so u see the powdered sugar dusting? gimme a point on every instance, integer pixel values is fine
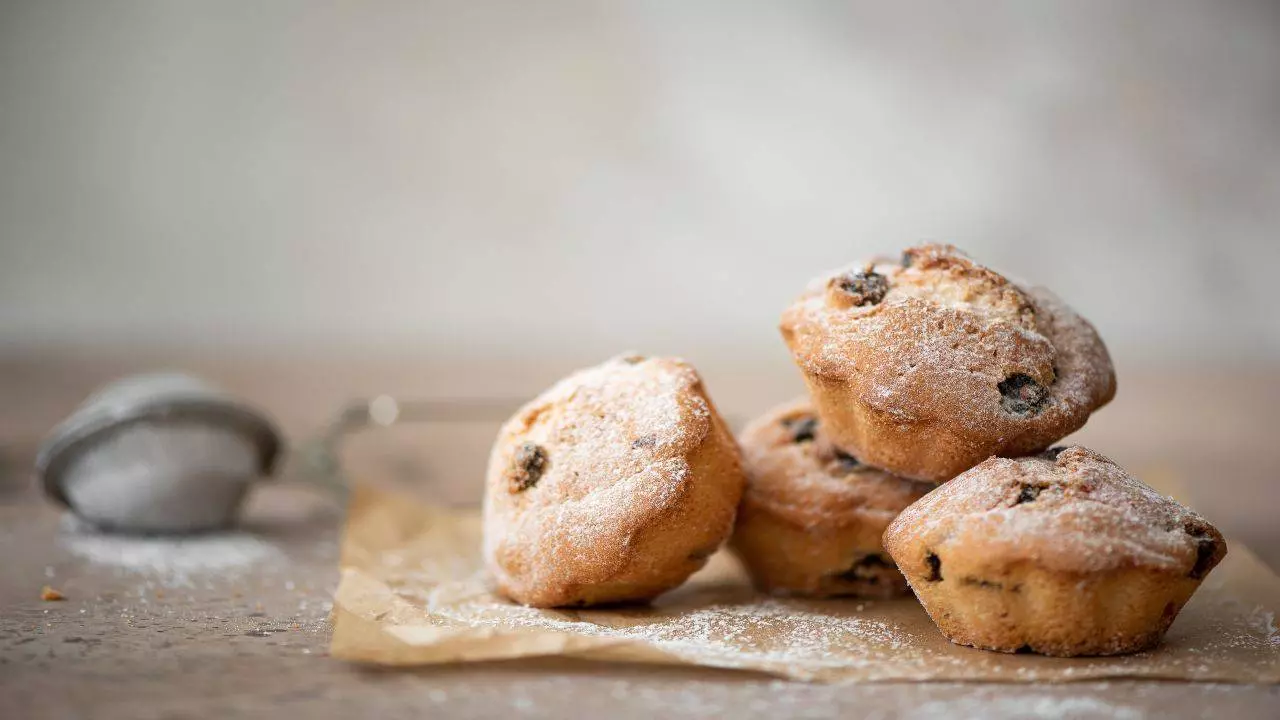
(174, 561)
(1089, 515)
(617, 440)
(807, 482)
(932, 354)
(1046, 707)
(737, 635)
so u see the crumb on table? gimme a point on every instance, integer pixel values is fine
(48, 594)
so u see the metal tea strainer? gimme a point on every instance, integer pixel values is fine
(171, 453)
(158, 453)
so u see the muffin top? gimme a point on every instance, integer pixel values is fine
(1068, 510)
(938, 338)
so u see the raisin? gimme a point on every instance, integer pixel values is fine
(527, 466)
(935, 567)
(1206, 553)
(866, 287)
(984, 584)
(803, 429)
(647, 441)
(1022, 395)
(864, 569)
(846, 462)
(1028, 494)
(1053, 452)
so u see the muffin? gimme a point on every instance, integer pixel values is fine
(928, 366)
(811, 517)
(1062, 554)
(612, 486)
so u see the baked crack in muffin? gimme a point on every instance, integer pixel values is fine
(811, 517)
(614, 485)
(1062, 554)
(928, 366)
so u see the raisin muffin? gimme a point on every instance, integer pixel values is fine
(811, 517)
(928, 366)
(613, 486)
(1061, 554)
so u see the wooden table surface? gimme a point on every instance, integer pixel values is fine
(252, 641)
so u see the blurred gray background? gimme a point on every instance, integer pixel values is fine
(573, 179)
(309, 202)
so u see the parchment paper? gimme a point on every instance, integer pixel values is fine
(414, 592)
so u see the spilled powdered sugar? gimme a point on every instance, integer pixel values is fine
(173, 561)
(769, 631)
(641, 695)
(1043, 706)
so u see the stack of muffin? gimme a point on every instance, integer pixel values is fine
(919, 461)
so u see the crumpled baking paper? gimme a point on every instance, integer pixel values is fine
(414, 592)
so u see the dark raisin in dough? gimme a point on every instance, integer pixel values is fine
(846, 461)
(802, 429)
(1028, 494)
(865, 568)
(1022, 395)
(866, 287)
(1053, 452)
(935, 567)
(1206, 549)
(980, 583)
(527, 466)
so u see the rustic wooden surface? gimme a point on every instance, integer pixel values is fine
(253, 643)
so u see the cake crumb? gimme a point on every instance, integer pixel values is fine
(48, 594)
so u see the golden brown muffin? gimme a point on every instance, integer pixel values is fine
(613, 486)
(1061, 554)
(811, 518)
(929, 366)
